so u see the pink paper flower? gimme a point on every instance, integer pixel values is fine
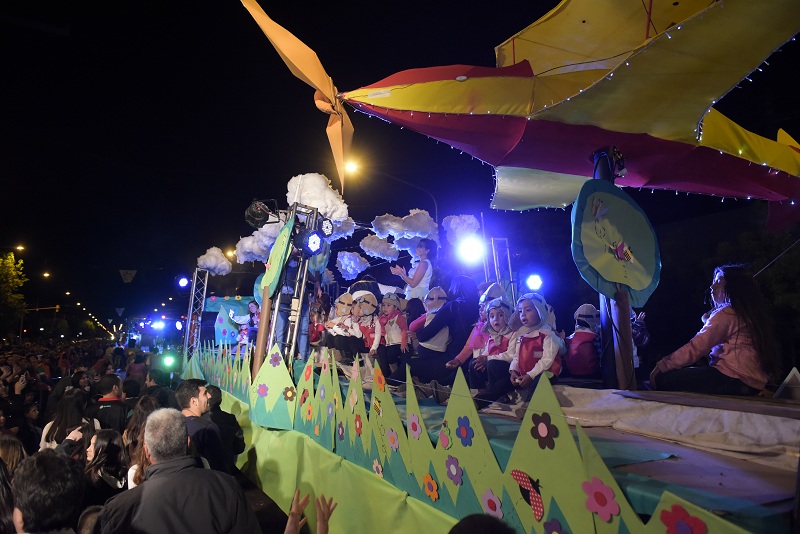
(391, 437)
(600, 499)
(414, 426)
(491, 504)
(444, 438)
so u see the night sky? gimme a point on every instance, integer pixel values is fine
(135, 134)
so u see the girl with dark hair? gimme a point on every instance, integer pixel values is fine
(70, 413)
(106, 467)
(249, 321)
(133, 438)
(418, 278)
(736, 337)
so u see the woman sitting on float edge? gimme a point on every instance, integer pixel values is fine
(736, 337)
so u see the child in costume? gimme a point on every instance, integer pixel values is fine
(497, 334)
(315, 328)
(533, 349)
(478, 338)
(431, 351)
(338, 325)
(369, 328)
(394, 340)
(241, 340)
(582, 358)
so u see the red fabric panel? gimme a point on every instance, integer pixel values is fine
(451, 72)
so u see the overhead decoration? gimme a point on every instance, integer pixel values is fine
(350, 264)
(459, 227)
(304, 64)
(590, 74)
(613, 243)
(214, 261)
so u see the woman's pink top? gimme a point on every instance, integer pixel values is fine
(728, 343)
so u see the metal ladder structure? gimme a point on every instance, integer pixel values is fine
(191, 340)
(292, 283)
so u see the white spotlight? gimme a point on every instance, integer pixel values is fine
(471, 250)
(534, 282)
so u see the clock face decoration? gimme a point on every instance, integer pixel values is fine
(613, 242)
(277, 259)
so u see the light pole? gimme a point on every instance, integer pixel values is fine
(415, 186)
(353, 167)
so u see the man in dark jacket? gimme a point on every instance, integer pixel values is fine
(229, 429)
(157, 384)
(192, 397)
(217, 502)
(110, 409)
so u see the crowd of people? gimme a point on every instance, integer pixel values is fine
(78, 443)
(114, 455)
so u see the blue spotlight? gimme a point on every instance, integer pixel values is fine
(534, 282)
(308, 241)
(471, 250)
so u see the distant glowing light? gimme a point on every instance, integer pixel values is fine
(158, 325)
(178, 325)
(471, 250)
(169, 361)
(183, 282)
(534, 282)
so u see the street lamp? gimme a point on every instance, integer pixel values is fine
(351, 166)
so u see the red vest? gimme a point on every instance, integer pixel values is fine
(530, 351)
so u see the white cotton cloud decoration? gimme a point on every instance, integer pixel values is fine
(418, 223)
(460, 226)
(315, 190)
(351, 264)
(342, 229)
(378, 247)
(214, 261)
(250, 249)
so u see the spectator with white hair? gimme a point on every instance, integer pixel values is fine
(177, 496)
